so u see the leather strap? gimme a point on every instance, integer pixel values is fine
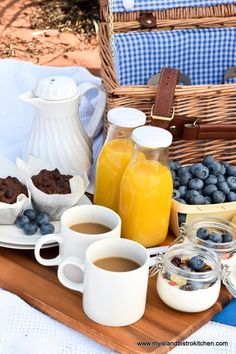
(163, 106)
(209, 132)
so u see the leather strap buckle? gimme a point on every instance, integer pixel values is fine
(168, 119)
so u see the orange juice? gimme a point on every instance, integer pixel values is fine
(145, 201)
(112, 161)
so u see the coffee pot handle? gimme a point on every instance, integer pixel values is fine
(99, 109)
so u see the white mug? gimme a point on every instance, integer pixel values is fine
(73, 243)
(110, 298)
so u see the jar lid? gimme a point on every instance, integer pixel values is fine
(152, 137)
(126, 117)
(56, 88)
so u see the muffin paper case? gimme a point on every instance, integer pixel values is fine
(9, 212)
(52, 204)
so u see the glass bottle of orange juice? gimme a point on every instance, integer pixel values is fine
(146, 188)
(115, 154)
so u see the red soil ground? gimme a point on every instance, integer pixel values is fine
(46, 47)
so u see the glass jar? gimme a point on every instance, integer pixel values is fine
(146, 188)
(115, 155)
(225, 250)
(184, 289)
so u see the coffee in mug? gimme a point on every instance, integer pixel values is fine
(90, 228)
(114, 296)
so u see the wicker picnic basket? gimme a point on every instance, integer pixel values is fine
(213, 104)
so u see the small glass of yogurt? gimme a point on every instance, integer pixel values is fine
(189, 278)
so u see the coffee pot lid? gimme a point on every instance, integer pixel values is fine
(56, 88)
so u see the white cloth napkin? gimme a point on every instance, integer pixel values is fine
(17, 77)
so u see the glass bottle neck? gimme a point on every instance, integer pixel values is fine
(159, 154)
(115, 132)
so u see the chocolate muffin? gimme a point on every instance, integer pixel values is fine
(10, 188)
(52, 182)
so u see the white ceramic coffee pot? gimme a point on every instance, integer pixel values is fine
(57, 135)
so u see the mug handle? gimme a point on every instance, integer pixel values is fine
(39, 244)
(66, 281)
(99, 109)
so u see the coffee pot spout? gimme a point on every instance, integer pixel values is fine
(30, 98)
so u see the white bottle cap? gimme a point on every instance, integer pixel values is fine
(126, 117)
(152, 137)
(56, 88)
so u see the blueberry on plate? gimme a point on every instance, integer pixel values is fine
(207, 200)
(30, 213)
(46, 229)
(21, 220)
(195, 183)
(214, 237)
(207, 160)
(231, 182)
(42, 218)
(203, 233)
(226, 237)
(231, 197)
(218, 197)
(231, 170)
(196, 263)
(223, 186)
(211, 179)
(30, 228)
(201, 172)
(182, 190)
(208, 190)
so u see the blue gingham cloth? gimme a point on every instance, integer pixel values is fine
(202, 54)
(141, 5)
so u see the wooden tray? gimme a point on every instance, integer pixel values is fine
(39, 286)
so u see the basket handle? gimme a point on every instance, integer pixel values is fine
(182, 127)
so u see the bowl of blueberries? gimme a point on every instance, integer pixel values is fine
(206, 188)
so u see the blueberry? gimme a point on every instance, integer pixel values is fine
(42, 218)
(174, 165)
(203, 233)
(222, 170)
(231, 182)
(176, 182)
(180, 200)
(208, 190)
(185, 178)
(223, 186)
(218, 197)
(182, 190)
(214, 167)
(196, 285)
(226, 164)
(220, 178)
(226, 237)
(30, 213)
(183, 170)
(211, 179)
(194, 167)
(173, 173)
(196, 184)
(231, 197)
(21, 220)
(201, 172)
(197, 200)
(190, 193)
(231, 170)
(182, 218)
(207, 200)
(47, 229)
(30, 228)
(196, 263)
(214, 237)
(176, 194)
(207, 160)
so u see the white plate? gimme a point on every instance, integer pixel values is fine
(13, 237)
